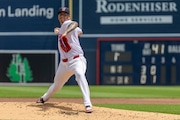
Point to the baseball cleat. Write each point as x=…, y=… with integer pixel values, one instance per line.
x=89, y=109
x=40, y=100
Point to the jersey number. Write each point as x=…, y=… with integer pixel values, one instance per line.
x=64, y=44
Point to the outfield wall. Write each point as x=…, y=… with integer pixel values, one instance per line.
x=28, y=25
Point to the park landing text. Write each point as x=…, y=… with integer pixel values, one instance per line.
x=34, y=11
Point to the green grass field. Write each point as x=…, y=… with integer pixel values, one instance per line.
x=105, y=92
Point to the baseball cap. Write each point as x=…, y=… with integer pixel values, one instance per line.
x=63, y=9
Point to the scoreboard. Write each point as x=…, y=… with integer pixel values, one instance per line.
x=138, y=61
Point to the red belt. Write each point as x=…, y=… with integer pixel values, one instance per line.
x=66, y=59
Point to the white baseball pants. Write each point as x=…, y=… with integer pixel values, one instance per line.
x=65, y=70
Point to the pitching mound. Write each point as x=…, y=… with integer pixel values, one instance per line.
x=72, y=111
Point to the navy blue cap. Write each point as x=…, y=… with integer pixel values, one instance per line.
x=63, y=9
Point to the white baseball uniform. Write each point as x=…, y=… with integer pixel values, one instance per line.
x=72, y=62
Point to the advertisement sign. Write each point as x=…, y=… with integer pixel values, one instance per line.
x=131, y=16
x=27, y=66
x=28, y=16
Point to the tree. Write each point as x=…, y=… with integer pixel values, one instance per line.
x=19, y=70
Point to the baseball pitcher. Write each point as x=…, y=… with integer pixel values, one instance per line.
x=72, y=61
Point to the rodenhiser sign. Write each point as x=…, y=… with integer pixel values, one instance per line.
x=132, y=16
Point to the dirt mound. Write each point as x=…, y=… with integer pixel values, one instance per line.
x=72, y=111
